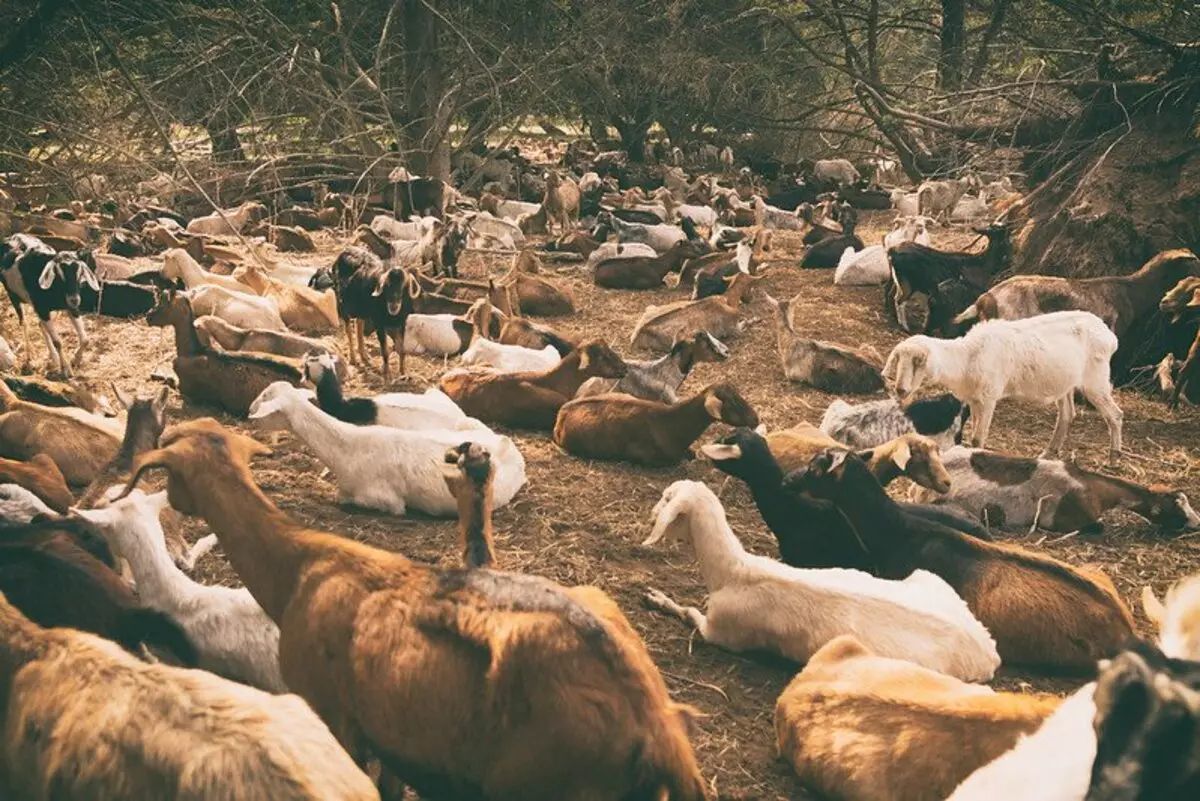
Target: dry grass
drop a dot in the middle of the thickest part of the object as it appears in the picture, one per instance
(581, 522)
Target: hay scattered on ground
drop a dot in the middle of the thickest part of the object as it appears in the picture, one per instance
(582, 522)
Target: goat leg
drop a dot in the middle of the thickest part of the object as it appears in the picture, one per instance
(1186, 373)
(398, 346)
(391, 788)
(1066, 415)
(688, 614)
(348, 326)
(982, 411)
(81, 332)
(1113, 418)
(54, 358)
(381, 332)
(28, 355)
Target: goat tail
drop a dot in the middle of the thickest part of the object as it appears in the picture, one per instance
(150, 627)
(971, 313)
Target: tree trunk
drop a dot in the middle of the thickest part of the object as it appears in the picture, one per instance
(633, 138)
(429, 126)
(222, 133)
(954, 34)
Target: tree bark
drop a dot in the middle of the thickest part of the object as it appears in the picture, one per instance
(429, 127)
(633, 138)
(954, 34)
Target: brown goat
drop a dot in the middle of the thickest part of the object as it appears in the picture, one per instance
(861, 727)
(911, 455)
(561, 202)
(466, 683)
(519, 331)
(78, 442)
(155, 721)
(1183, 299)
(1041, 612)
(301, 308)
(468, 476)
(643, 272)
(660, 327)
(229, 380)
(530, 400)
(621, 427)
(1117, 300)
(538, 296)
(41, 476)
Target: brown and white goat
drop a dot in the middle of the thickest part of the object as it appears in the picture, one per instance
(621, 427)
(660, 327)
(41, 476)
(79, 443)
(826, 366)
(644, 272)
(1182, 299)
(1118, 300)
(911, 455)
(530, 400)
(426, 668)
(1042, 612)
(861, 727)
(155, 721)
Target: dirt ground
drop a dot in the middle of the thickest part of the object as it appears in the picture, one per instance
(581, 522)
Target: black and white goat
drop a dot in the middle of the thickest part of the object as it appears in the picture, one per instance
(33, 273)
(369, 291)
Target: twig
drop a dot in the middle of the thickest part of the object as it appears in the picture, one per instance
(703, 684)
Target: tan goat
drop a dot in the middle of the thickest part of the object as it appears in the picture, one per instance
(535, 295)
(560, 204)
(911, 455)
(476, 683)
(166, 733)
(624, 428)
(861, 727)
(301, 308)
(530, 400)
(41, 476)
(81, 444)
(661, 326)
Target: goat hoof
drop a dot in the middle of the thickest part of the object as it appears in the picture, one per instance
(656, 599)
(1114, 457)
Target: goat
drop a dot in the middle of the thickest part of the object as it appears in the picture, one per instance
(230, 381)
(714, 277)
(658, 237)
(437, 334)
(828, 252)
(561, 201)
(758, 603)
(1006, 490)
(178, 265)
(383, 645)
(391, 229)
(509, 358)
(1117, 300)
(366, 290)
(212, 329)
(33, 273)
(236, 308)
(615, 250)
(154, 717)
(41, 477)
(229, 222)
(468, 475)
(292, 239)
(875, 422)
(918, 268)
(906, 203)
(232, 635)
(301, 308)
(380, 467)
(19, 506)
(1042, 612)
(432, 409)
(78, 442)
(774, 218)
(624, 272)
(660, 379)
(661, 326)
(646, 432)
(123, 300)
(530, 400)
(1042, 359)
(536, 295)
(519, 331)
(863, 727)
(144, 423)
(839, 171)
(827, 366)
(938, 198)
(908, 228)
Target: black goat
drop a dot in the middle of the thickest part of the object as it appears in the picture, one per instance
(33, 273)
(791, 198)
(810, 532)
(453, 245)
(319, 371)
(121, 299)
(828, 252)
(369, 291)
(424, 197)
(946, 277)
(322, 279)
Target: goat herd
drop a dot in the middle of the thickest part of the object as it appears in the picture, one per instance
(124, 678)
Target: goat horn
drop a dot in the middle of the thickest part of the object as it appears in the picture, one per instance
(146, 462)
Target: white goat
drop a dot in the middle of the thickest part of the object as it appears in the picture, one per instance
(484, 224)
(236, 308)
(391, 229)
(233, 636)
(773, 218)
(863, 267)
(839, 170)
(19, 506)
(971, 207)
(510, 358)
(228, 221)
(436, 334)
(658, 237)
(178, 265)
(1044, 358)
(386, 468)
(620, 250)
(938, 198)
(512, 209)
(907, 203)
(8, 359)
(756, 603)
(913, 228)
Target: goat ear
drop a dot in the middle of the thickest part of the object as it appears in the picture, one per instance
(721, 453)
(761, 430)
(159, 404)
(836, 458)
(124, 399)
(261, 409)
(584, 359)
(1155, 611)
(379, 284)
(902, 455)
(414, 287)
(49, 273)
(713, 405)
(89, 277)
